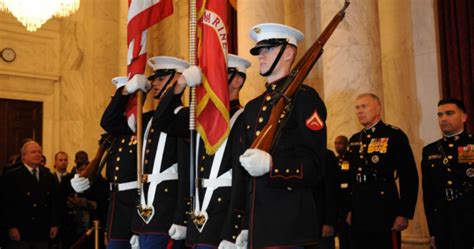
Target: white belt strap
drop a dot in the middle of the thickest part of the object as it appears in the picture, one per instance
(170, 173)
(214, 182)
(123, 186)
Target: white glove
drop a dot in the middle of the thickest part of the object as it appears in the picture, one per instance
(80, 184)
(177, 232)
(192, 75)
(225, 244)
(242, 239)
(137, 82)
(135, 242)
(256, 162)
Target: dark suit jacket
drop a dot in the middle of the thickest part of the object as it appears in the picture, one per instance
(31, 206)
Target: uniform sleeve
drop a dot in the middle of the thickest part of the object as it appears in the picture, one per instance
(12, 211)
(114, 120)
(183, 205)
(428, 195)
(171, 117)
(235, 220)
(330, 189)
(300, 163)
(408, 177)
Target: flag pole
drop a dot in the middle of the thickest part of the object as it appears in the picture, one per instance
(192, 102)
(139, 137)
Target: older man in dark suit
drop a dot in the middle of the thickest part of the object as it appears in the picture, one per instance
(31, 205)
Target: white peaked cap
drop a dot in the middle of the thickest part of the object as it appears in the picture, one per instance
(265, 31)
(167, 62)
(237, 62)
(119, 81)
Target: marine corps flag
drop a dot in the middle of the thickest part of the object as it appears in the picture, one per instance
(142, 14)
(212, 112)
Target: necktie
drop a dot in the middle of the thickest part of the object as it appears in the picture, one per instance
(35, 174)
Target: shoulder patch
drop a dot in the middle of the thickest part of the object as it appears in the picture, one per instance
(394, 127)
(314, 122)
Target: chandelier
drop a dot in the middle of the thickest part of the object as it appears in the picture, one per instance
(34, 13)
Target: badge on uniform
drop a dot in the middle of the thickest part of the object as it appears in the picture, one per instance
(378, 145)
(344, 165)
(466, 154)
(470, 172)
(314, 122)
(431, 157)
(199, 219)
(375, 159)
(146, 212)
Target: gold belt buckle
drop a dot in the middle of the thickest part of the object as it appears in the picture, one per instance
(144, 178)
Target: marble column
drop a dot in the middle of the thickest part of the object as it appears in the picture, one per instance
(411, 90)
(251, 13)
(89, 58)
(351, 63)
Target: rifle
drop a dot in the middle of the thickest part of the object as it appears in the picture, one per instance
(92, 170)
(283, 101)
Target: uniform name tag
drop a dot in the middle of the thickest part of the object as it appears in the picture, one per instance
(431, 157)
(466, 154)
(378, 145)
(344, 185)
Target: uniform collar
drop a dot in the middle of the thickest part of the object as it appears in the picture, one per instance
(276, 85)
(454, 137)
(374, 127)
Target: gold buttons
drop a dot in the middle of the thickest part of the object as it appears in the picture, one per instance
(34, 205)
(297, 171)
(361, 156)
(234, 237)
(450, 182)
(287, 171)
(147, 151)
(451, 145)
(201, 169)
(239, 216)
(264, 108)
(236, 227)
(268, 98)
(166, 190)
(432, 165)
(274, 86)
(146, 161)
(219, 199)
(257, 133)
(248, 127)
(282, 115)
(359, 169)
(449, 170)
(185, 222)
(118, 159)
(203, 157)
(152, 130)
(382, 193)
(450, 157)
(130, 151)
(123, 140)
(188, 203)
(368, 136)
(117, 168)
(120, 149)
(276, 171)
(149, 141)
(28, 193)
(289, 188)
(260, 119)
(115, 178)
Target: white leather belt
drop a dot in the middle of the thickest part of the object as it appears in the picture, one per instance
(123, 186)
(225, 180)
(170, 173)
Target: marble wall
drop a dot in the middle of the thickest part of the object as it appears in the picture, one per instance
(387, 47)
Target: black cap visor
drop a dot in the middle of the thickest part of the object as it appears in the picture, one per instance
(269, 43)
(160, 73)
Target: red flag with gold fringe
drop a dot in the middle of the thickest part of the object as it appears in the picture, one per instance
(212, 112)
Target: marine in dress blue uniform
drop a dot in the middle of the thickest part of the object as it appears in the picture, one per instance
(379, 155)
(281, 207)
(448, 180)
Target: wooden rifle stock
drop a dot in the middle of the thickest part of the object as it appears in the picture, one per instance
(283, 101)
(92, 169)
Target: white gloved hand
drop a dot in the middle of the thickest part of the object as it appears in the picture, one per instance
(242, 239)
(80, 184)
(192, 75)
(225, 244)
(137, 82)
(256, 162)
(135, 242)
(177, 232)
